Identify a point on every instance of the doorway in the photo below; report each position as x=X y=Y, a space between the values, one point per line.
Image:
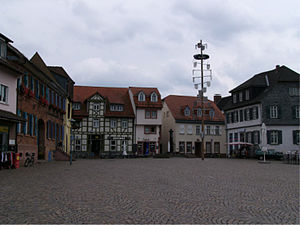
x=41 y=139
x=97 y=145
x=198 y=148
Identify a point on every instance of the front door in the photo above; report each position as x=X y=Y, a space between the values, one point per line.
x=198 y=149
x=96 y=147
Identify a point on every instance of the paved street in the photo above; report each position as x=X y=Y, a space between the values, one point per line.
x=175 y=190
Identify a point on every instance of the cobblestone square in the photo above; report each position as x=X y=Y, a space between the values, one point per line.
x=175 y=190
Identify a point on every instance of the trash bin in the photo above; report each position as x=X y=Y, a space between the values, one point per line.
x=17 y=160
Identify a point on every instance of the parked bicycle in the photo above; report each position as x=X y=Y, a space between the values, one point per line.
x=29 y=159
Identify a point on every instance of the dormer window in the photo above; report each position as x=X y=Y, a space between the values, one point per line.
x=234 y=98
x=153 y=97
x=241 y=96
x=76 y=106
x=212 y=113
x=199 y=112
x=116 y=107
x=187 y=111
x=3 y=49
x=141 y=97
x=247 y=95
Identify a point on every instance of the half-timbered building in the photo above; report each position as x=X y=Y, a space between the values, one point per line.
x=105 y=121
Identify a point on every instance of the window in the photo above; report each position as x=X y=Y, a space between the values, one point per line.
x=115 y=107
x=274 y=138
x=294 y=91
x=96 y=106
x=255 y=112
x=113 y=123
x=256 y=137
x=208 y=131
x=189 y=147
x=77 y=144
x=249 y=137
x=19 y=123
x=190 y=129
x=229 y=119
x=150 y=129
x=124 y=145
x=25 y=123
x=113 y=145
x=36 y=88
x=187 y=111
x=247 y=95
x=153 y=97
x=181 y=146
x=141 y=97
x=247 y=114
x=3 y=49
x=217 y=130
x=198 y=130
x=241 y=115
x=124 y=124
x=181 y=129
x=208 y=147
x=3 y=94
x=234 y=98
x=150 y=114
x=297 y=112
x=76 y=106
x=95 y=123
x=296 y=137
x=212 y=113
x=273 y=112
x=235 y=116
x=199 y=112
x=241 y=96
x=217 y=147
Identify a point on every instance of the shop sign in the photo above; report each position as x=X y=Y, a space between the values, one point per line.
x=3 y=129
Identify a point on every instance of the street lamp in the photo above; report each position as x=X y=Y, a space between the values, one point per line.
x=73 y=123
x=202 y=82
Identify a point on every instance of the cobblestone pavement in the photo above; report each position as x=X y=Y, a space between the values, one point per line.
x=175 y=190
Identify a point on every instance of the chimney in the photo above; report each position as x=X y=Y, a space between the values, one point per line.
x=277 y=66
x=217 y=98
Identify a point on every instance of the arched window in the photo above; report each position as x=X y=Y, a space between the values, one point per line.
x=141 y=97
x=199 y=112
x=187 y=111
x=153 y=97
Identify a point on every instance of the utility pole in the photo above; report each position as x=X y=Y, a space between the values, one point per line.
x=201 y=57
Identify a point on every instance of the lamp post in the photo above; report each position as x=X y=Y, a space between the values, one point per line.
x=72 y=138
x=201 y=57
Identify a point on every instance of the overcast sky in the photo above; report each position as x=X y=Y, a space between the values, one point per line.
x=151 y=43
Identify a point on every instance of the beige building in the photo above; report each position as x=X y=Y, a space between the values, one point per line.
x=182 y=130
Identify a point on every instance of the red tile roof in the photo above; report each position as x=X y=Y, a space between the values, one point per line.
x=110 y=94
x=147 y=91
x=177 y=104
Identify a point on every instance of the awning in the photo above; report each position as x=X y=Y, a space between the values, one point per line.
x=9 y=116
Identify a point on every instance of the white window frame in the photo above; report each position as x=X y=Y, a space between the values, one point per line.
x=124 y=145
x=181 y=146
x=187 y=111
x=153 y=97
x=274 y=137
x=217 y=130
x=207 y=130
x=198 y=130
x=113 y=145
x=254 y=112
x=113 y=123
x=77 y=144
x=141 y=97
x=199 y=112
x=190 y=129
x=3 y=94
x=181 y=129
x=124 y=124
x=273 y=111
x=96 y=106
x=234 y=98
x=95 y=123
x=76 y=106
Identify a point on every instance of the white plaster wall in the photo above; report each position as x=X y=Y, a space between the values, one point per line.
x=140 y=118
x=9 y=80
x=141 y=136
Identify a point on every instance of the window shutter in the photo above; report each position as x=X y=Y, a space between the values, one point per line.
x=268 y=111
x=36 y=126
x=294 y=137
x=294 y=111
x=258 y=137
x=256 y=116
x=279 y=136
x=268 y=137
x=251 y=113
x=279 y=111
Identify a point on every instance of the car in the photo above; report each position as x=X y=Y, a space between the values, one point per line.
x=270 y=154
